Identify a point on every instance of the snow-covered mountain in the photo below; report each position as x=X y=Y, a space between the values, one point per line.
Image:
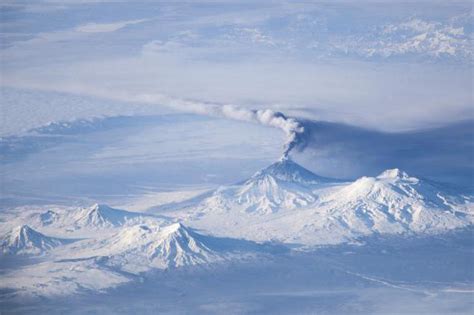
x=102 y=216
x=24 y=240
x=391 y=203
x=324 y=211
x=284 y=185
x=287 y=171
x=95 y=217
x=396 y=202
x=142 y=247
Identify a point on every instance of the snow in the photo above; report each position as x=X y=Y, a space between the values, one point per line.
x=59 y=278
x=24 y=240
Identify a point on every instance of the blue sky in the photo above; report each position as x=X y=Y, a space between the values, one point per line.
x=384 y=65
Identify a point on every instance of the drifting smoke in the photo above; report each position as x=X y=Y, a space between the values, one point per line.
x=266 y=117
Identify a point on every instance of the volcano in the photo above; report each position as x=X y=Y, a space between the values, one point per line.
x=141 y=247
x=23 y=240
x=284 y=185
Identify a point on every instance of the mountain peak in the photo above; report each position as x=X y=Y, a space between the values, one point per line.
x=141 y=247
x=100 y=215
x=394 y=173
x=25 y=232
x=99 y=207
x=174 y=228
x=25 y=240
x=287 y=170
x=282 y=185
x=24 y=228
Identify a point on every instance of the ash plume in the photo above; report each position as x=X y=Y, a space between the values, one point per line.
x=292 y=128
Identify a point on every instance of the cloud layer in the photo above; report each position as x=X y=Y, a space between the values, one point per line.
x=393 y=67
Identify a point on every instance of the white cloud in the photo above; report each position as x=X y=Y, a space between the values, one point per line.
x=70 y=34
x=106 y=27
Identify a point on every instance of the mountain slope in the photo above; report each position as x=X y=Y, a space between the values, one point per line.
x=25 y=240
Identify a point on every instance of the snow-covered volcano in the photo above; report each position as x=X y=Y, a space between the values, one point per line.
x=102 y=216
x=284 y=185
x=142 y=247
x=396 y=202
x=24 y=240
x=287 y=171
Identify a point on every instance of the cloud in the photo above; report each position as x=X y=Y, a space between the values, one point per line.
x=385 y=96
x=271 y=58
x=106 y=27
x=71 y=34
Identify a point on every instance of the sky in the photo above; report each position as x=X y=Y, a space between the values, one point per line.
x=379 y=64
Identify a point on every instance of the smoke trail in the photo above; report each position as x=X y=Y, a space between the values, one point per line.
x=292 y=128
